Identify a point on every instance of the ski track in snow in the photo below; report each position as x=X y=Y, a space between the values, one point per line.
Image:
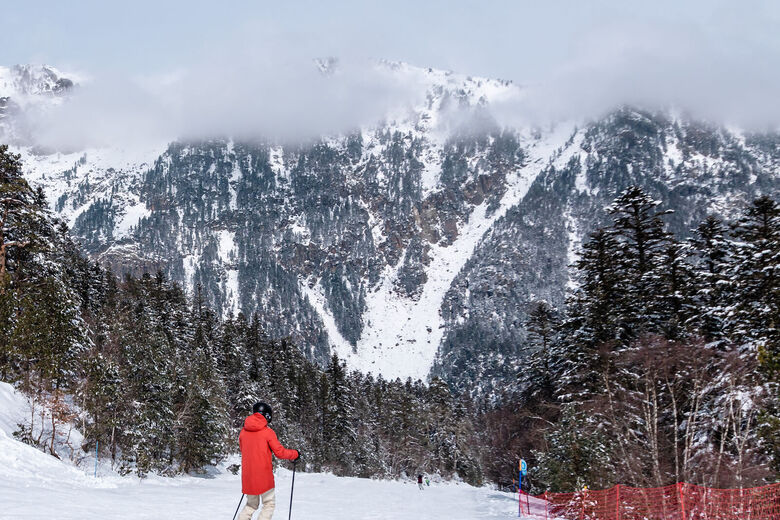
x=36 y=485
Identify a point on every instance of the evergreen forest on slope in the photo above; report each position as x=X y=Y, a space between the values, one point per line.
x=663 y=365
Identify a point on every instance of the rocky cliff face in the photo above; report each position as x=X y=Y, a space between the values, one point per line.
x=693 y=168
x=408 y=245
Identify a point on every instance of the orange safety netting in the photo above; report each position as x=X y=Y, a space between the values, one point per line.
x=676 y=502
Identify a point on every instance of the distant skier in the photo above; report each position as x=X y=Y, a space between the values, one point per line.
x=420 y=482
x=256 y=441
x=427 y=481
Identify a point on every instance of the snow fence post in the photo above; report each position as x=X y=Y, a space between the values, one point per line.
x=617 y=502
x=96 y=456
x=682 y=497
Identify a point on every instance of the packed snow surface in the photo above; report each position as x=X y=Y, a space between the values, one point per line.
x=36 y=485
x=63 y=496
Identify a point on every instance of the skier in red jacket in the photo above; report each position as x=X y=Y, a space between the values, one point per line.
x=256 y=441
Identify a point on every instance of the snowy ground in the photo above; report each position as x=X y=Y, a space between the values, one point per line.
x=55 y=494
x=36 y=485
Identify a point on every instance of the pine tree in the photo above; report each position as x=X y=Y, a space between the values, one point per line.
x=21 y=214
x=756 y=302
x=574 y=457
x=440 y=426
x=595 y=318
x=710 y=250
x=756 y=305
x=339 y=430
x=675 y=287
x=400 y=426
x=641 y=233
x=47 y=334
x=239 y=389
x=367 y=451
x=9 y=362
x=202 y=415
x=537 y=375
x=103 y=398
x=29 y=339
x=152 y=366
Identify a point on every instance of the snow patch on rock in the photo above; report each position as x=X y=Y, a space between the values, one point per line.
x=401 y=336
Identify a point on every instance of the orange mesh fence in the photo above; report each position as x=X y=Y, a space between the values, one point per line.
x=676 y=502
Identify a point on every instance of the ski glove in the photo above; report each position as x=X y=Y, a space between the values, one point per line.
x=296 y=459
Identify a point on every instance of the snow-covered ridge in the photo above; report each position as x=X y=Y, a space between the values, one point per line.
x=33 y=80
x=25 y=90
x=108 y=173
x=33 y=84
x=104 y=174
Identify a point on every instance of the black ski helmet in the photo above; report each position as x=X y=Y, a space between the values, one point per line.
x=264 y=410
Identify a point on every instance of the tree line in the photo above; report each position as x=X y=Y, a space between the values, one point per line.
x=663 y=365
x=157 y=381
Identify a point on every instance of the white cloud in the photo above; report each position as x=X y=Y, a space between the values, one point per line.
x=262 y=82
x=248 y=96
x=710 y=75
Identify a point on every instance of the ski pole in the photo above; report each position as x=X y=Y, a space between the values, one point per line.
x=292 y=489
x=239 y=505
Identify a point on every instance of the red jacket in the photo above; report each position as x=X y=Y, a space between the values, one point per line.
x=256 y=442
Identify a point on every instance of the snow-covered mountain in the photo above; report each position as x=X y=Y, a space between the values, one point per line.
x=27 y=83
x=412 y=244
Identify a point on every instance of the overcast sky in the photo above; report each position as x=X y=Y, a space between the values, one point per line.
x=518 y=40
x=719 y=58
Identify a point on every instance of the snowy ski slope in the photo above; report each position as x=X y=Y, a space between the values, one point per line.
x=36 y=485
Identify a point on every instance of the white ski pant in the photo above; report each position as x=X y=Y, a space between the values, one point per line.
x=253 y=502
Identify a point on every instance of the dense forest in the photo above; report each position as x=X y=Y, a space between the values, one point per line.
x=163 y=384
x=663 y=366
